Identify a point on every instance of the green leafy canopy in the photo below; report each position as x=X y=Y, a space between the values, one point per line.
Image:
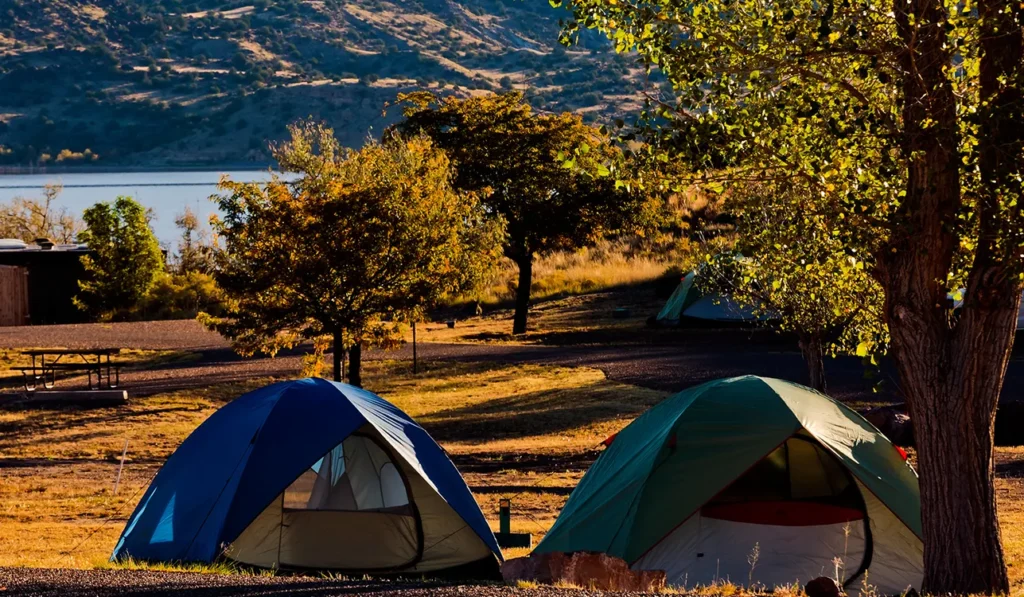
x=359 y=242
x=124 y=258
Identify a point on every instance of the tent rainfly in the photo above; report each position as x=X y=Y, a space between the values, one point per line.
x=311 y=474
x=711 y=475
x=688 y=301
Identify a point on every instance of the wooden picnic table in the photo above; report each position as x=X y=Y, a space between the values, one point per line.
x=46 y=362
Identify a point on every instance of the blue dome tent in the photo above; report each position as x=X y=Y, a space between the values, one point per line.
x=311 y=474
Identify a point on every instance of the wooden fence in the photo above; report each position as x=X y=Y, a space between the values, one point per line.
x=13 y=296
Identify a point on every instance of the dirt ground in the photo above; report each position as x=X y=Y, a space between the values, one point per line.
x=101 y=583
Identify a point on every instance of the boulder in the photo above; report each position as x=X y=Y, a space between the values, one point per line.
x=594 y=571
x=823 y=586
x=893 y=422
x=518 y=569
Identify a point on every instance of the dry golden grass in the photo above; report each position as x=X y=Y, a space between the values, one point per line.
x=515 y=409
x=58 y=467
x=1010 y=494
x=526 y=432
x=610 y=264
x=570 y=320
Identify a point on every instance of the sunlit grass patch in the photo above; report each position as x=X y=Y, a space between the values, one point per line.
x=152 y=426
x=222 y=567
x=610 y=264
x=516 y=409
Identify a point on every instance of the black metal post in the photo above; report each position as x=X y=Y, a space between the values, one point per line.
x=415 y=366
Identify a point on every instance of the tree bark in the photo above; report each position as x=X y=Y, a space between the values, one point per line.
x=813 y=349
x=339 y=356
x=952 y=391
x=525 y=264
x=951 y=371
x=355 y=365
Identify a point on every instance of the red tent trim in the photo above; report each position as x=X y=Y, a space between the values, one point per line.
x=788 y=514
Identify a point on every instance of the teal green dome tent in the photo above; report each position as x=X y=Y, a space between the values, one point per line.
x=733 y=467
x=690 y=301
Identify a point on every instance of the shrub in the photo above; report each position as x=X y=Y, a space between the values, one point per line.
x=181 y=296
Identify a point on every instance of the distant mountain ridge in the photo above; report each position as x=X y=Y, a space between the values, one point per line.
x=168 y=83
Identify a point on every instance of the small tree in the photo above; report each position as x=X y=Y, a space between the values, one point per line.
x=546 y=175
x=807 y=280
x=29 y=219
x=358 y=243
x=196 y=251
x=189 y=287
x=124 y=258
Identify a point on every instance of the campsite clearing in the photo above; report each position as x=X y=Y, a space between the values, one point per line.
x=58 y=467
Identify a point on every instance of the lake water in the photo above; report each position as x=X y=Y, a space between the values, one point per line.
x=166 y=193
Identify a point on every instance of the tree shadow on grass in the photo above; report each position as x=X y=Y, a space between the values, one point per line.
x=537 y=413
x=79 y=426
x=212 y=586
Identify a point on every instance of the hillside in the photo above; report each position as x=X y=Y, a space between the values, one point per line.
x=174 y=83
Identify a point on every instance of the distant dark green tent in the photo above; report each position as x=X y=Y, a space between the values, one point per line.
x=690 y=301
x=697 y=483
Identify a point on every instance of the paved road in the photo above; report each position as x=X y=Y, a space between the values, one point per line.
x=690 y=358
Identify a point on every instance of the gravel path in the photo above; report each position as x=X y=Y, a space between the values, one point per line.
x=100 y=583
x=692 y=357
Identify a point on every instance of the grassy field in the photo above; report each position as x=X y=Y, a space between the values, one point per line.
x=580 y=319
x=573 y=273
x=526 y=432
x=58 y=468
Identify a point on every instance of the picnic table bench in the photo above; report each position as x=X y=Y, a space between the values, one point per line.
x=46 y=363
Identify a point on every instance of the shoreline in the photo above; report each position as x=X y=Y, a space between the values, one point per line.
x=112 y=169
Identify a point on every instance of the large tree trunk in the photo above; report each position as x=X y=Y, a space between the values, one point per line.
x=525 y=264
x=355 y=365
x=813 y=349
x=952 y=388
x=951 y=371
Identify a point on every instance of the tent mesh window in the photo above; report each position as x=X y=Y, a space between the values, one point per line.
x=356 y=476
x=799 y=472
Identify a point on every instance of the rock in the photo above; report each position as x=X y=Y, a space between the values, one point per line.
x=823 y=586
x=593 y=571
x=518 y=569
x=652 y=581
x=894 y=423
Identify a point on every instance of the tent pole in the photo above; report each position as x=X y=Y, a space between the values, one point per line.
x=280 y=532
